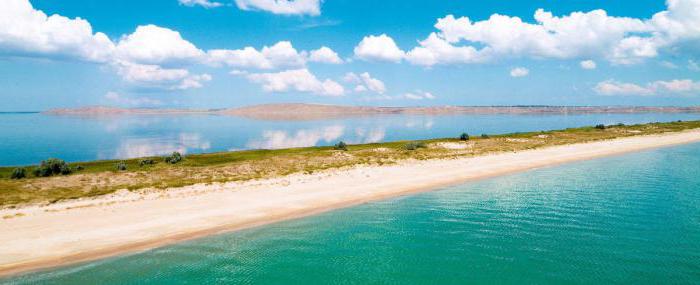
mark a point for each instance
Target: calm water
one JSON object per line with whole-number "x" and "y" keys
{"x": 30, "y": 138}
{"x": 631, "y": 219}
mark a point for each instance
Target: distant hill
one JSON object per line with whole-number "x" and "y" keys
{"x": 300, "y": 111}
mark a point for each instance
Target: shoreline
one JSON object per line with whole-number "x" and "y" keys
{"x": 126, "y": 222}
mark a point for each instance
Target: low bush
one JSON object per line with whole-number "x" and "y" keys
{"x": 144, "y": 162}
{"x": 18, "y": 173}
{"x": 121, "y": 166}
{"x": 464, "y": 137}
{"x": 484, "y": 136}
{"x": 600, "y": 127}
{"x": 173, "y": 158}
{"x": 341, "y": 146}
{"x": 65, "y": 169}
{"x": 52, "y": 166}
{"x": 79, "y": 168}
{"x": 414, "y": 145}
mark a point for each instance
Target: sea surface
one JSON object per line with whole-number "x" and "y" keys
{"x": 630, "y": 219}
{"x": 28, "y": 138}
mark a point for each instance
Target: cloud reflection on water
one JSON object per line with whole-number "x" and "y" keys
{"x": 140, "y": 147}
{"x": 309, "y": 137}
{"x": 276, "y": 139}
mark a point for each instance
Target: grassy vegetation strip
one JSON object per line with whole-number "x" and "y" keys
{"x": 106, "y": 176}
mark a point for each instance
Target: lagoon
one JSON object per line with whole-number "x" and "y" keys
{"x": 28, "y": 138}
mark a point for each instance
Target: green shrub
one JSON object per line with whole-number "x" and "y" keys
{"x": 18, "y": 173}
{"x": 146, "y": 162}
{"x": 79, "y": 168}
{"x": 414, "y": 145}
{"x": 341, "y": 146}
{"x": 484, "y": 136}
{"x": 464, "y": 137}
{"x": 65, "y": 169}
{"x": 600, "y": 127}
{"x": 173, "y": 158}
{"x": 52, "y": 166}
{"x": 121, "y": 166}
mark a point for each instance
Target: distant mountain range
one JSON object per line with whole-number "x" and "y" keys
{"x": 301, "y": 111}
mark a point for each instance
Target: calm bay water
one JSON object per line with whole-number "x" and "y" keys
{"x": 632, "y": 219}
{"x": 30, "y": 138}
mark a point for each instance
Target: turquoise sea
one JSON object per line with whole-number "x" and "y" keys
{"x": 28, "y": 138}
{"x": 630, "y": 219}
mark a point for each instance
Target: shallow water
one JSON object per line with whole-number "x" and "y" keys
{"x": 631, "y": 219}
{"x": 31, "y": 137}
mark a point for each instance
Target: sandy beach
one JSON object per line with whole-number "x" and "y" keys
{"x": 36, "y": 237}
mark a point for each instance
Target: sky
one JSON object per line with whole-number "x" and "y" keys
{"x": 228, "y": 53}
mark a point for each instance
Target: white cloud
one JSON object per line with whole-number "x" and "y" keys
{"x": 611, "y": 87}
{"x": 25, "y": 31}
{"x": 382, "y": 48}
{"x": 283, "y": 7}
{"x": 151, "y": 44}
{"x": 677, "y": 86}
{"x": 668, "y": 64}
{"x": 300, "y": 80}
{"x": 418, "y": 95}
{"x": 280, "y": 55}
{"x": 519, "y": 72}
{"x": 588, "y": 64}
{"x": 594, "y": 34}
{"x": 203, "y": 3}
{"x": 365, "y": 82}
{"x": 436, "y": 50}
{"x": 119, "y": 99}
{"x": 325, "y": 55}
{"x": 157, "y": 77}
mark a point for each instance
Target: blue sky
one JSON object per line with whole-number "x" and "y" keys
{"x": 179, "y": 53}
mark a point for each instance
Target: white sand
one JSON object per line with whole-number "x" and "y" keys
{"x": 125, "y": 222}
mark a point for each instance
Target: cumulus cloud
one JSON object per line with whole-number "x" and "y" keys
{"x": 280, "y": 55}
{"x": 157, "y": 77}
{"x": 283, "y": 7}
{"x": 436, "y": 50}
{"x": 203, "y": 3}
{"x": 588, "y": 64}
{"x": 29, "y": 32}
{"x": 676, "y": 86}
{"x": 594, "y": 34}
{"x": 365, "y": 82}
{"x": 519, "y": 72}
{"x": 300, "y": 80}
{"x": 325, "y": 55}
{"x": 381, "y": 48}
{"x": 137, "y": 57}
{"x": 151, "y": 44}
{"x": 119, "y": 99}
